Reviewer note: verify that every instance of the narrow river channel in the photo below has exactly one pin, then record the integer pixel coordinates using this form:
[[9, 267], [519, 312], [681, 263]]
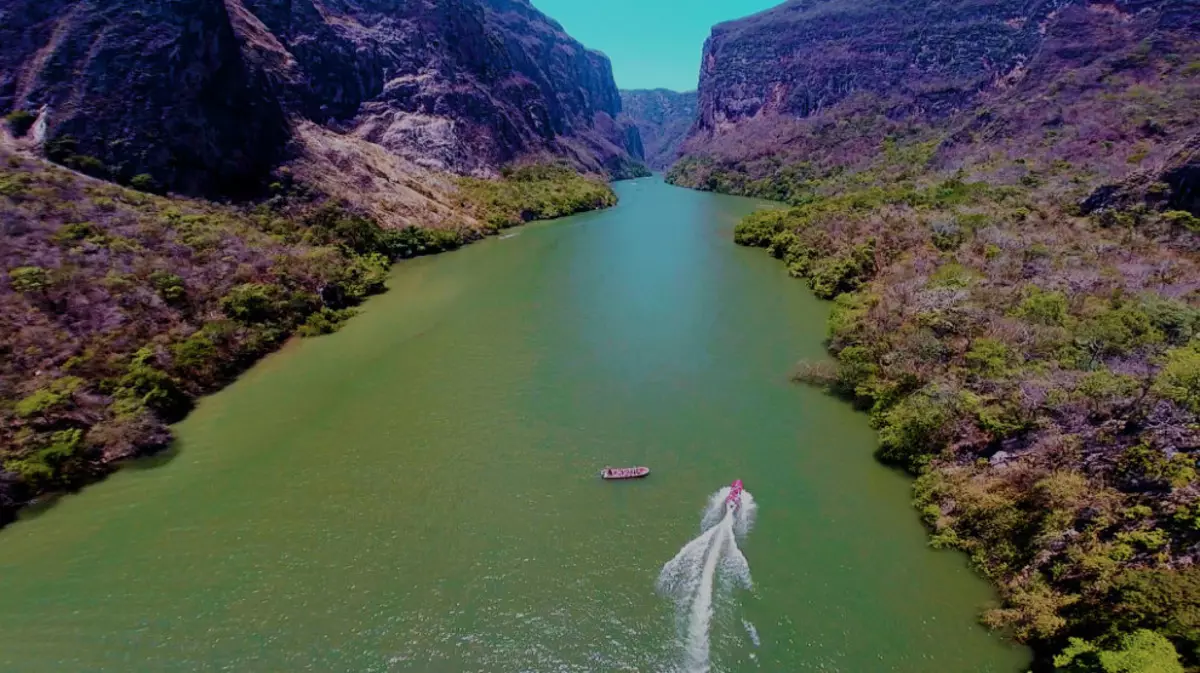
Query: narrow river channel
[[419, 492]]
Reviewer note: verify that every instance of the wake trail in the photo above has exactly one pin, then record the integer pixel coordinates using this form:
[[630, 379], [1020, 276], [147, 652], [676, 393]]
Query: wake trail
[[692, 576]]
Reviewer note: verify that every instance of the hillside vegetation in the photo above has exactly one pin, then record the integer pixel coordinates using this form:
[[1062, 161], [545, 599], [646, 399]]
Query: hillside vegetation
[[118, 307]]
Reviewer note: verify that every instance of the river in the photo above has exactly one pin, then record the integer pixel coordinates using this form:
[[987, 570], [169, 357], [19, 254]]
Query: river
[[419, 491]]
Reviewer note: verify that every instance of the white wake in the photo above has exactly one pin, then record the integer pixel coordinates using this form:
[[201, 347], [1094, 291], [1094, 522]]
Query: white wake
[[710, 563]]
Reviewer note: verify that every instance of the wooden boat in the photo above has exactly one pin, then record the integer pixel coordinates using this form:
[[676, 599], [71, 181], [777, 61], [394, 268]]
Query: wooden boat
[[624, 472]]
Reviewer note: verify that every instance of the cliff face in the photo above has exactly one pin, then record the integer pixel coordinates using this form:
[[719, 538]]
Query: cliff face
[[990, 74], [156, 87], [663, 119], [204, 94]]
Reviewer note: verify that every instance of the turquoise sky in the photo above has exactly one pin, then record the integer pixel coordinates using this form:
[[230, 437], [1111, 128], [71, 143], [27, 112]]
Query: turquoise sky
[[652, 43]]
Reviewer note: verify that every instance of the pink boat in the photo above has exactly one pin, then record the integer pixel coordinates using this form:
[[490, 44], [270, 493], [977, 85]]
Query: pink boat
[[624, 472], [735, 493]]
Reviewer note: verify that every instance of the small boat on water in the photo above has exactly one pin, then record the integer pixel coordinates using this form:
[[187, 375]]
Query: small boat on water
[[624, 472]]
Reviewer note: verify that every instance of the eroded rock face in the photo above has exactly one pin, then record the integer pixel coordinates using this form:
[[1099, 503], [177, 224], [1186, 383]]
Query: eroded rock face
[[146, 86], [1003, 73], [663, 119], [203, 94]]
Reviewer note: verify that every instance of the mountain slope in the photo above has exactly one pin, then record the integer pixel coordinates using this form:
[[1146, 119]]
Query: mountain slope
[[663, 118], [826, 81], [206, 97]]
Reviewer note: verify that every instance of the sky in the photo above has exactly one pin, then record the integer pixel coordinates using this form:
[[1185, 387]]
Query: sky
[[652, 43]]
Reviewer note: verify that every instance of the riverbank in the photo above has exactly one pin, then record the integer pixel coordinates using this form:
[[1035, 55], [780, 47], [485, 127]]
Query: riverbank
[[118, 308], [1036, 371]]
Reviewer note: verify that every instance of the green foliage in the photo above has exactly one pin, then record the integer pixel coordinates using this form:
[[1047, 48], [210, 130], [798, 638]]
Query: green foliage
[[144, 182], [325, 321], [1042, 307], [195, 357], [334, 225], [846, 272], [54, 396], [991, 358], [252, 303], [759, 229], [153, 388], [916, 428], [29, 279], [1145, 464], [1117, 331], [535, 192], [42, 459], [1163, 600], [1177, 321], [1182, 218], [414, 242], [1179, 379], [169, 286], [1142, 651], [19, 122], [365, 276]]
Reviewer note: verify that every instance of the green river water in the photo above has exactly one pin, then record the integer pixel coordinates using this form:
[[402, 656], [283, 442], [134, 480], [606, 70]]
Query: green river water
[[419, 492]]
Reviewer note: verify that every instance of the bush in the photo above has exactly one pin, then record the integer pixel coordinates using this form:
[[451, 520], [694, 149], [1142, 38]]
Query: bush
[[831, 276], [990, 358], [325, 321], [168, 285], [29, 279], [1042, 307], [52, 397], [758, 229], [153, 388], [1179, 379], [20, 121], [915, 429], [144, 182], [1142, 651], [252, 303]]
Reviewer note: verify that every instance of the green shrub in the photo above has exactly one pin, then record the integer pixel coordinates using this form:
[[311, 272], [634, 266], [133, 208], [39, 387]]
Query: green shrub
[[20, 121], [144, 182], [1182, 218], [325, 321], [54, 396], [916, 429], [254, 303], [169, 286], [1142, 651], [1042, 307], [1177, 321], [29, 279], [990, 358], [846, 272], [1179, 379], [195, 358], [41, 462], [153, 388], [1117, 331], [758, 229]]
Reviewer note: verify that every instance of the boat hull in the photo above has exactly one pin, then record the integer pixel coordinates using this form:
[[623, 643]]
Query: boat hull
[[618, 474]]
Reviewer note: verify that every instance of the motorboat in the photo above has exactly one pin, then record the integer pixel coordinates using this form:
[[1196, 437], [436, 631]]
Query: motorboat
[[624, 472]]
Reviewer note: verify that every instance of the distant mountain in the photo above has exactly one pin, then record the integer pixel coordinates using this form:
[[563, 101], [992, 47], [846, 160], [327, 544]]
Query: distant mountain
[[826, 81], [663, 118], [206, 97]]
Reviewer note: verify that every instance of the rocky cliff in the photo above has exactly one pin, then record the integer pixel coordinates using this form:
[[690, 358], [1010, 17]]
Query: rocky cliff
[[207, 96], [826, 81], [663, 119]]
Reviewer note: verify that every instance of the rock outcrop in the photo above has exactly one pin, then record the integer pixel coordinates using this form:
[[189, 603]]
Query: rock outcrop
[[205, 95], [663, 119]]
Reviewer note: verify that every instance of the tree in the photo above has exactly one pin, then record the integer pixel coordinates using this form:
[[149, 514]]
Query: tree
[[1142, 651]]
